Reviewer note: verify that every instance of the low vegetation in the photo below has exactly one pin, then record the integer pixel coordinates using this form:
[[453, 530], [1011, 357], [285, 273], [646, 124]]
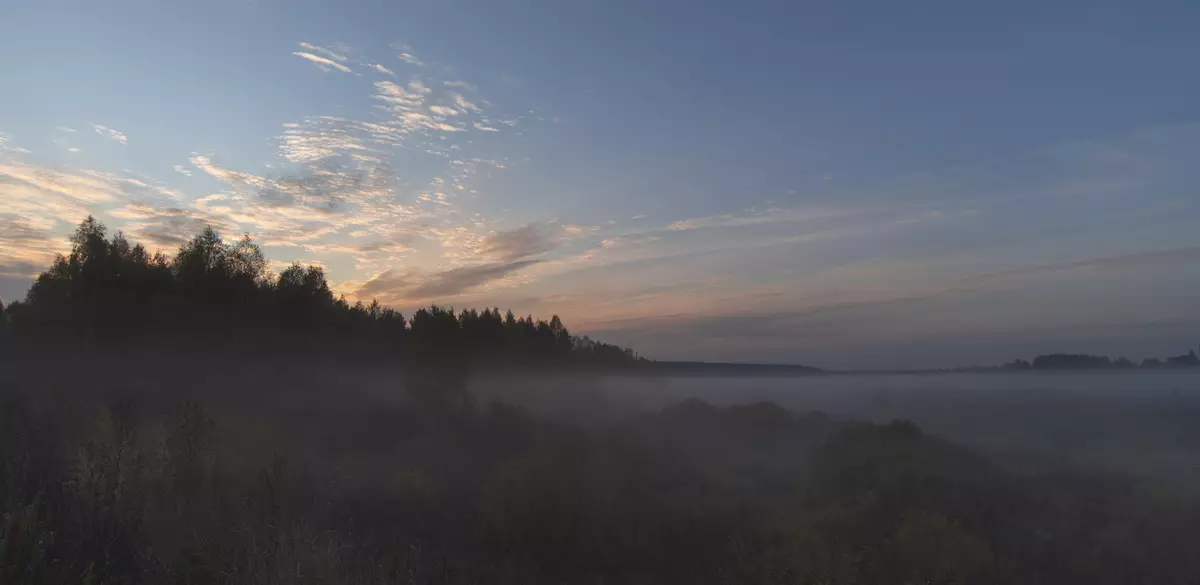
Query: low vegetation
[[107, 491]]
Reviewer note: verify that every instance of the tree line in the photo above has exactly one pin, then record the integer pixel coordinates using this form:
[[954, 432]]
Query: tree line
[[1077, 361], [109, 292]]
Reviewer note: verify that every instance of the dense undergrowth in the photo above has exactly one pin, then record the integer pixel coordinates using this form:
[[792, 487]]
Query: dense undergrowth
[[106, 486]]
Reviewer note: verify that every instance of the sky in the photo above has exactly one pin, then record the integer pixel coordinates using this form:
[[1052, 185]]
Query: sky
[[844, 184]]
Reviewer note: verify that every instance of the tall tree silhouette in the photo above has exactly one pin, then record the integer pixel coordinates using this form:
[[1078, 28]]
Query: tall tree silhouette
[[108, 292]]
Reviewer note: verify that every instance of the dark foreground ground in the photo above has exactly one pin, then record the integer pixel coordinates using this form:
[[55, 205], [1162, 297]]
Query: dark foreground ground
[[197, 469]]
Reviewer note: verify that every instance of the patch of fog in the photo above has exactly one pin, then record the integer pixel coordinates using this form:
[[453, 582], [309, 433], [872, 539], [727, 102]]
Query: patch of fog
[[1141, 422]]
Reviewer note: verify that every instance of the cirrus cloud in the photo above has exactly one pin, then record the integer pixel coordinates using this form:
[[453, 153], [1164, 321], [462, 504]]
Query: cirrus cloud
[[109, 133]]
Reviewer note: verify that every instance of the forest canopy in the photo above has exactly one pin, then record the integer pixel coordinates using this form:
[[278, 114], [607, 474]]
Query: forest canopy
[[108, 292]]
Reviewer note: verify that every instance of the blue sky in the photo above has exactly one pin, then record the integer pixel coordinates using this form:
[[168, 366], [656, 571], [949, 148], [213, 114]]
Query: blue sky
[[864, 184]]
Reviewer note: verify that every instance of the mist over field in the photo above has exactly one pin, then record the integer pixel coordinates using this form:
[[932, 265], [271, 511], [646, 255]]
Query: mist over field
[[324, 470], [599, 293], [198, 419]]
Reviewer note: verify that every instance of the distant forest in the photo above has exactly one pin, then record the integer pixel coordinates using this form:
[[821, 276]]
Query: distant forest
[[108, 293], [1078, 361]]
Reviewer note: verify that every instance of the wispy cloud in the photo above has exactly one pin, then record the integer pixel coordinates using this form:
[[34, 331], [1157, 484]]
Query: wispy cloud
[[410, 59], [417, 108], [464, 103], [626, 241], [335, 193], [460, 84], [364, 254], [523, 242], [1116, 262], [487, 259], [407, 288], [110, 133], [323, 63], [41, 204], [66, 129], [167, 227], [325, 52], [6, 146], [206, 164], [338, 189], [75, 187], [25, 249]]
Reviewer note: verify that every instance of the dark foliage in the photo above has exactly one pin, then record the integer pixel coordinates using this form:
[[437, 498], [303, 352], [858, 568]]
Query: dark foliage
[[1075, 361], [117, 490], [214, 295], [1066, 361]]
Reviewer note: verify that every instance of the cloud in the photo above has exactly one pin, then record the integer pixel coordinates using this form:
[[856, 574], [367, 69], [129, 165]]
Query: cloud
[[406, 288], [85, 187], [339, 185], [67, 129], [25, 249], [411, 59], [168, 227], [22, 270], [398, 95], [345, 177], [4, 147], [206, 164], [1134, 260], [318, 138], [770, 214], [16, 233], [333, 191], [463, 103], [523, 242], [109, 133], [626, 241], [935, 328], [323, 63], [503, 254], [39, 203], [413, 112], [460, 84], [369, 252], [326, 52]]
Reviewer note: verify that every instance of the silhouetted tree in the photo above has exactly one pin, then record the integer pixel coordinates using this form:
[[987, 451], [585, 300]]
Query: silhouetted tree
[[114, 291], [303, 294]]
